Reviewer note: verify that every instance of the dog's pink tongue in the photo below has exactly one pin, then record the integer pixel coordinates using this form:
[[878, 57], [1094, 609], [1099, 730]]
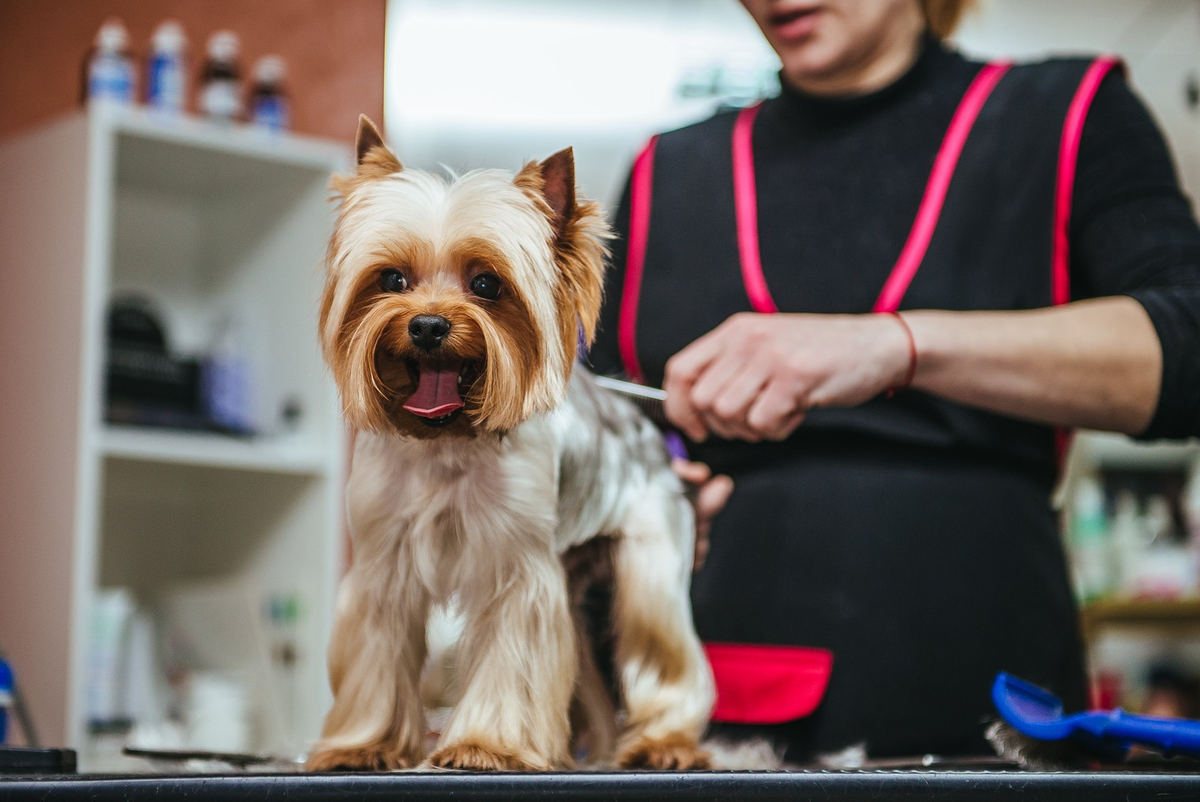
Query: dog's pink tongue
[[437, 389]]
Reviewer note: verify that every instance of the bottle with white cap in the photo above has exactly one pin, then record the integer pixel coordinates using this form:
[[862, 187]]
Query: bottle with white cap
[[110, 72], [1191, 519], [268, 102], [221, 78], [167, 85], [1089, 540]]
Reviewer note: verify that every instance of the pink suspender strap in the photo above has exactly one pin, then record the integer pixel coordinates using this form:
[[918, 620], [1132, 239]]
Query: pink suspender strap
[[746, 206], [1068, 155], [939, 182], [745, 200], [640, 194]]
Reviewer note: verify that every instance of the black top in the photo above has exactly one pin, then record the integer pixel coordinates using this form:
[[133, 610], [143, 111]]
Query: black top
[[911, 536]]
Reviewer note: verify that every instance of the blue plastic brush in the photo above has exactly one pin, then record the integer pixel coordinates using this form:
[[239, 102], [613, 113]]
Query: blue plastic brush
[[1037, 713]]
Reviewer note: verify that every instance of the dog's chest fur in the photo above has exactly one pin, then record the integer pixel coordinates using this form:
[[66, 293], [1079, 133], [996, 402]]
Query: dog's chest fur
[[460, 506]]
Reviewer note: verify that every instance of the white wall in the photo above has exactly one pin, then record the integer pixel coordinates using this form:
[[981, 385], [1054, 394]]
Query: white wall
[[474, 83], [1158, 39]]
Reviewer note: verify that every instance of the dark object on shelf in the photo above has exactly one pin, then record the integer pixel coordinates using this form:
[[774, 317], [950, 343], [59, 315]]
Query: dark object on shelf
[[144, 384], [14, 760]]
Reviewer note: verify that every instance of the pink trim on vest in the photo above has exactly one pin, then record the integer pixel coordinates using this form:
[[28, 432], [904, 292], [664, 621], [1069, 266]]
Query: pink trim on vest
[[939, 183], [1068, 155], [640, 195], [1064, 190], [745, 204], [913, 253]]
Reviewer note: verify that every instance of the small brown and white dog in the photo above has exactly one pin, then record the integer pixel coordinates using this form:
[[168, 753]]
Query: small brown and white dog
[[490, 474]]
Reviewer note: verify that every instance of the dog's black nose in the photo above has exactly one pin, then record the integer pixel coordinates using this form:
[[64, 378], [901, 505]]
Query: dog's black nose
[[428, 331]]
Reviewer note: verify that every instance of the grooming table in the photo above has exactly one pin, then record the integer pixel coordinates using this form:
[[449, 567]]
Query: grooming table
[[960, 785]]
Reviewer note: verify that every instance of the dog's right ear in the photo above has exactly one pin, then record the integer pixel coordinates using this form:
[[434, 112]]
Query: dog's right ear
[[375, 158]]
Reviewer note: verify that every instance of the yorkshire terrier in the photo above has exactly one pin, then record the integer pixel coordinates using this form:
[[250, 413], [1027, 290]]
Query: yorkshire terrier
[[492, 474]]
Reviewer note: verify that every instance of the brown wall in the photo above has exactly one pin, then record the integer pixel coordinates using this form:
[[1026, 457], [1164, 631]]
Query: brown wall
[[333, 49]]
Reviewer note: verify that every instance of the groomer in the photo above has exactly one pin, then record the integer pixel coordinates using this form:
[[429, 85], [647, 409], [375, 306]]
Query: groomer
[[879, 302]]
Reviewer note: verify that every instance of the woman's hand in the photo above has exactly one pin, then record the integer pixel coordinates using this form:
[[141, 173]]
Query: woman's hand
[[708, 499], [755, 376]]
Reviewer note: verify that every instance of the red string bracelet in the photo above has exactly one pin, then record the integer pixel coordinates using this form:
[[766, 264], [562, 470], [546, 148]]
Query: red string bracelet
[[912, 357]]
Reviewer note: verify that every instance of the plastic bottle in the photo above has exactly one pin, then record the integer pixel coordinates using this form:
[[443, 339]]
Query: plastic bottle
[[166, 85], [221, 79], [1128, 541], [1089, 542], [269, 107], [6, 698], [110, 72], [226, 379], [1191, 520], [1166, 569]]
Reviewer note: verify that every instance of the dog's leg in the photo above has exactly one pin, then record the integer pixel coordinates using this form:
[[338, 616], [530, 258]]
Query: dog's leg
[[665, 678], [375, 659], [519, 661]]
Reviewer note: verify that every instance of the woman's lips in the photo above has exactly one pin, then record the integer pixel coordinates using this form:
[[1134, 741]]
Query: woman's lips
[[796, 23]]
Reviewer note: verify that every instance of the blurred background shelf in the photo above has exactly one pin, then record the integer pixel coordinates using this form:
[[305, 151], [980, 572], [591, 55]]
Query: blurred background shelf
[[1176, 616], [229, 547], [1117, 451], [210, 450]]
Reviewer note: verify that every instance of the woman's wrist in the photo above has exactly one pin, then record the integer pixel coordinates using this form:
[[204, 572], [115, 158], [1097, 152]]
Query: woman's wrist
[[908, 358], [928, 332]]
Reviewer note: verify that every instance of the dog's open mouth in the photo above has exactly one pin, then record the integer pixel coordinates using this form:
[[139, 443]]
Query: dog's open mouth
[[441, 385]]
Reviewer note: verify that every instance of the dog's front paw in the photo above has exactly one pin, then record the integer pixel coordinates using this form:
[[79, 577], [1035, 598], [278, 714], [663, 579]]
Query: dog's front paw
[[480, 757], [372, 757], [673, 753]]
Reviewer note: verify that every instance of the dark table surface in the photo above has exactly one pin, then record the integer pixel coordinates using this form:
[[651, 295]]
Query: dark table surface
[[963, 785]]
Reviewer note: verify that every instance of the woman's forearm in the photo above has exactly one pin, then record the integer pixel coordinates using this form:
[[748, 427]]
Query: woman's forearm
[[1095, 364]]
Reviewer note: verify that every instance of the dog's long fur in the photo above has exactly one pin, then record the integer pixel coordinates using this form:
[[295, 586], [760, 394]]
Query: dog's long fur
[[480, 511]]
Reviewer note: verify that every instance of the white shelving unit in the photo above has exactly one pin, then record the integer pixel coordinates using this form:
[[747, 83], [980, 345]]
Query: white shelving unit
[[204, 530], [1096, 450]]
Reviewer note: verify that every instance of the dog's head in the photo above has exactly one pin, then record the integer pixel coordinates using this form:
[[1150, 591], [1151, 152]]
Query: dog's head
[[456, 306]]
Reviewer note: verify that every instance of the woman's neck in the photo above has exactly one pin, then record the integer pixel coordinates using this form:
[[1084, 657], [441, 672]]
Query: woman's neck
[[882, 65]]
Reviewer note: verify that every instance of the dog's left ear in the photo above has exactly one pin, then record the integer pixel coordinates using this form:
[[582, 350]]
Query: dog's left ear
[[375, 159], [374, 156]]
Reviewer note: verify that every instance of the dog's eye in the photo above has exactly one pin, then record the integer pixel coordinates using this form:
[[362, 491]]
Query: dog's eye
[[392, 280], [485, 285]]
